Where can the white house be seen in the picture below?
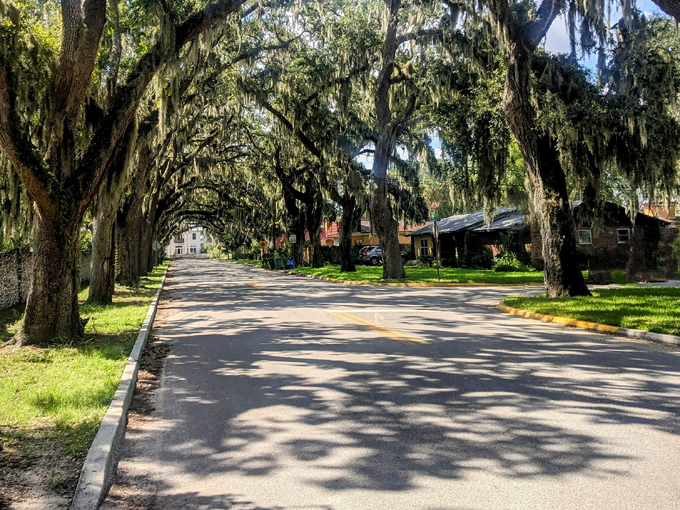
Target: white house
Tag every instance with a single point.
(188, 243)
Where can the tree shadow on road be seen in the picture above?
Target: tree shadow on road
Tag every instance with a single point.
(363, 412)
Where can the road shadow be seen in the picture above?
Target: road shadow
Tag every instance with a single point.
(250, 397)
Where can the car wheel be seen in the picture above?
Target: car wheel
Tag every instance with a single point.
(375, 261)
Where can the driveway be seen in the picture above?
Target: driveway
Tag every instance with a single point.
(290, 393)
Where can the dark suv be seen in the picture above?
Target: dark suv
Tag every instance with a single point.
(373, 255)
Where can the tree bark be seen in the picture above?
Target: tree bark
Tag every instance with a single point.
(551, 200)
(387, 229)
(385, 225)
(131, 222)
(52, 304)
(103, 264)
(670, 7)
(347, 223)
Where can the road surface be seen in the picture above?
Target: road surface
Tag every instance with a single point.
(289, 393)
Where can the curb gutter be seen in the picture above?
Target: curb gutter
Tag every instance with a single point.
(594, 326)
(99, 466)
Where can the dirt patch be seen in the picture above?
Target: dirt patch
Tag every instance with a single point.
(35, 472)
(148, 379)
(133, 492)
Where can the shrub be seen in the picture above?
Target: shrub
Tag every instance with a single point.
(449, 262)
(619, 277)
(482, 260)
(425, 260)
(508, 263)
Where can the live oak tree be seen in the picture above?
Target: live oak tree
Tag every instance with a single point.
(45, 133)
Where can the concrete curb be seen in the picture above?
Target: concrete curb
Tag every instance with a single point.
(99, 466)
(594, 326)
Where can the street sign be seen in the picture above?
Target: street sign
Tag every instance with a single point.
(263, 243)
(435, 218)
(292, 238)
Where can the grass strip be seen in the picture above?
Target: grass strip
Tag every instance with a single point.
(61, 393)
(427, 275)
(655, 309)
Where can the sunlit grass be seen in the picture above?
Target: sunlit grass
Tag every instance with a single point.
(651, 309)
(245, 261)
(428, 275)
(65, 390)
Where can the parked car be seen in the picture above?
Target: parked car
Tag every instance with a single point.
(373, 255)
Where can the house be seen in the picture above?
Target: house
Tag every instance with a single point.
(605, 241)
(612, 240)
(364, 236)
(666, 212)
(461, 235)
(187, 243)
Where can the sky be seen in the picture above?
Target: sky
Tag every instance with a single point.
(557, 40)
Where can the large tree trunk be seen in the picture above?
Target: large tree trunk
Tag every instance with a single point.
(103, 263)
(551, 200)
(144, 248)
(52, 304)
(132, 222)
(313, 213)
(347, 222)
(387, 229)
(128, 246)
(385, 225)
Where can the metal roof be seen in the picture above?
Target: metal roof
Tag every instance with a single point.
(511, 222)
(471, 221)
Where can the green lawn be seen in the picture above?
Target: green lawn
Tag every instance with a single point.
(651, 309)
(245, 261)
(423, 275)
(60, 394)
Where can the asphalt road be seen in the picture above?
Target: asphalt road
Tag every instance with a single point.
(289, 393)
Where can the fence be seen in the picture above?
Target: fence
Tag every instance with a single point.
(16, 268)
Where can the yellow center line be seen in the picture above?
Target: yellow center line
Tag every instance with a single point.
(253, 285)
(379, 328)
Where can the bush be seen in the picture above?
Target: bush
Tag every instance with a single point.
(482, 260)
(425, 260)
(619, 277)
(449, 262)
(508, 263)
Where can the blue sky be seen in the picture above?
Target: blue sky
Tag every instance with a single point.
(557, 40)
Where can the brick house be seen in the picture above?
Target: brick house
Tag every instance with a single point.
(363, 235)
(605, 241)
(612, 241)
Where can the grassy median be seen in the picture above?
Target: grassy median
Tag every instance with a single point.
(428, 275)
(654, 309)
(55, 398)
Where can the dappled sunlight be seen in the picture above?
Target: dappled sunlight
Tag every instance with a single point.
(295, 396)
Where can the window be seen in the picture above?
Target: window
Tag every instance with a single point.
(623, 235)
(192, 249)
(179, 240)
(424, 248)
(178, 250)
(193, 236)
(585, 236)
